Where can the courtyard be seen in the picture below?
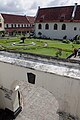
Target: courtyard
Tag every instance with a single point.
(38, 46)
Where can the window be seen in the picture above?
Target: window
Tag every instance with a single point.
(7, 25)
(55, 26)
(0, 24)
(18, 25)
(75, 28)
(39, 26)
(31, 78)
(22, 25)
(28, 25)
(47, 26)
(63, 27)
(12, 25)
(15, 25)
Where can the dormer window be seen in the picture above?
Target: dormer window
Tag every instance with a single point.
(42, 18)
(62, 17)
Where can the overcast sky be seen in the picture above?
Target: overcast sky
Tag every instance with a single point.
(29, 7)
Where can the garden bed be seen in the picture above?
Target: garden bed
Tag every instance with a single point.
(40, 46)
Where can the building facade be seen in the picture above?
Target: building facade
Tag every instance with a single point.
(16, 24)
(57, 22)
(1, 23)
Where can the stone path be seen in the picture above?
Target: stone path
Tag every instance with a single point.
(38, 103)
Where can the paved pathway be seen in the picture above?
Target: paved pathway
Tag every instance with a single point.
(38, 103)
(75, 58)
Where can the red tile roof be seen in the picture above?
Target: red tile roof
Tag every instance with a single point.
(9, 18)
(31, 19)
(58, 14)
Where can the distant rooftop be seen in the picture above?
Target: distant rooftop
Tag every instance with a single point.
(55, 14)
(12, 18)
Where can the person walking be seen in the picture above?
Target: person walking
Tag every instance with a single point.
(75, 52)
(79, 52)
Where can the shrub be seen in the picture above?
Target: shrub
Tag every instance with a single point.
(66, 41)
(77, 42)
(76, 37)
(65, 37)
(59, 53)
(39, 33)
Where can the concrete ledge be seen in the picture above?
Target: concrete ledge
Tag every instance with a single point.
(34, 56)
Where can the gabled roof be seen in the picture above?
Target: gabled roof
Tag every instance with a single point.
(10, 18)
(58, 14)
(31, 19)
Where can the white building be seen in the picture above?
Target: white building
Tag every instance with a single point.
(1, 23)
(56, 22)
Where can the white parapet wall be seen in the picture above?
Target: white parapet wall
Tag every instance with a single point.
(63, 80)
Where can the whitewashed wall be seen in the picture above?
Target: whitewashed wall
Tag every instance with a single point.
(2, 22)
(65, 89)
(59, 34)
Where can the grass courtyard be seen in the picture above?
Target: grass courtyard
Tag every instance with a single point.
(39, 46)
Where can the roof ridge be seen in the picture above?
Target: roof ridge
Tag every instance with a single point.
(12, 14)
(57, 7)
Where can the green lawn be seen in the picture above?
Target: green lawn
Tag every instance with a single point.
(51, 49)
